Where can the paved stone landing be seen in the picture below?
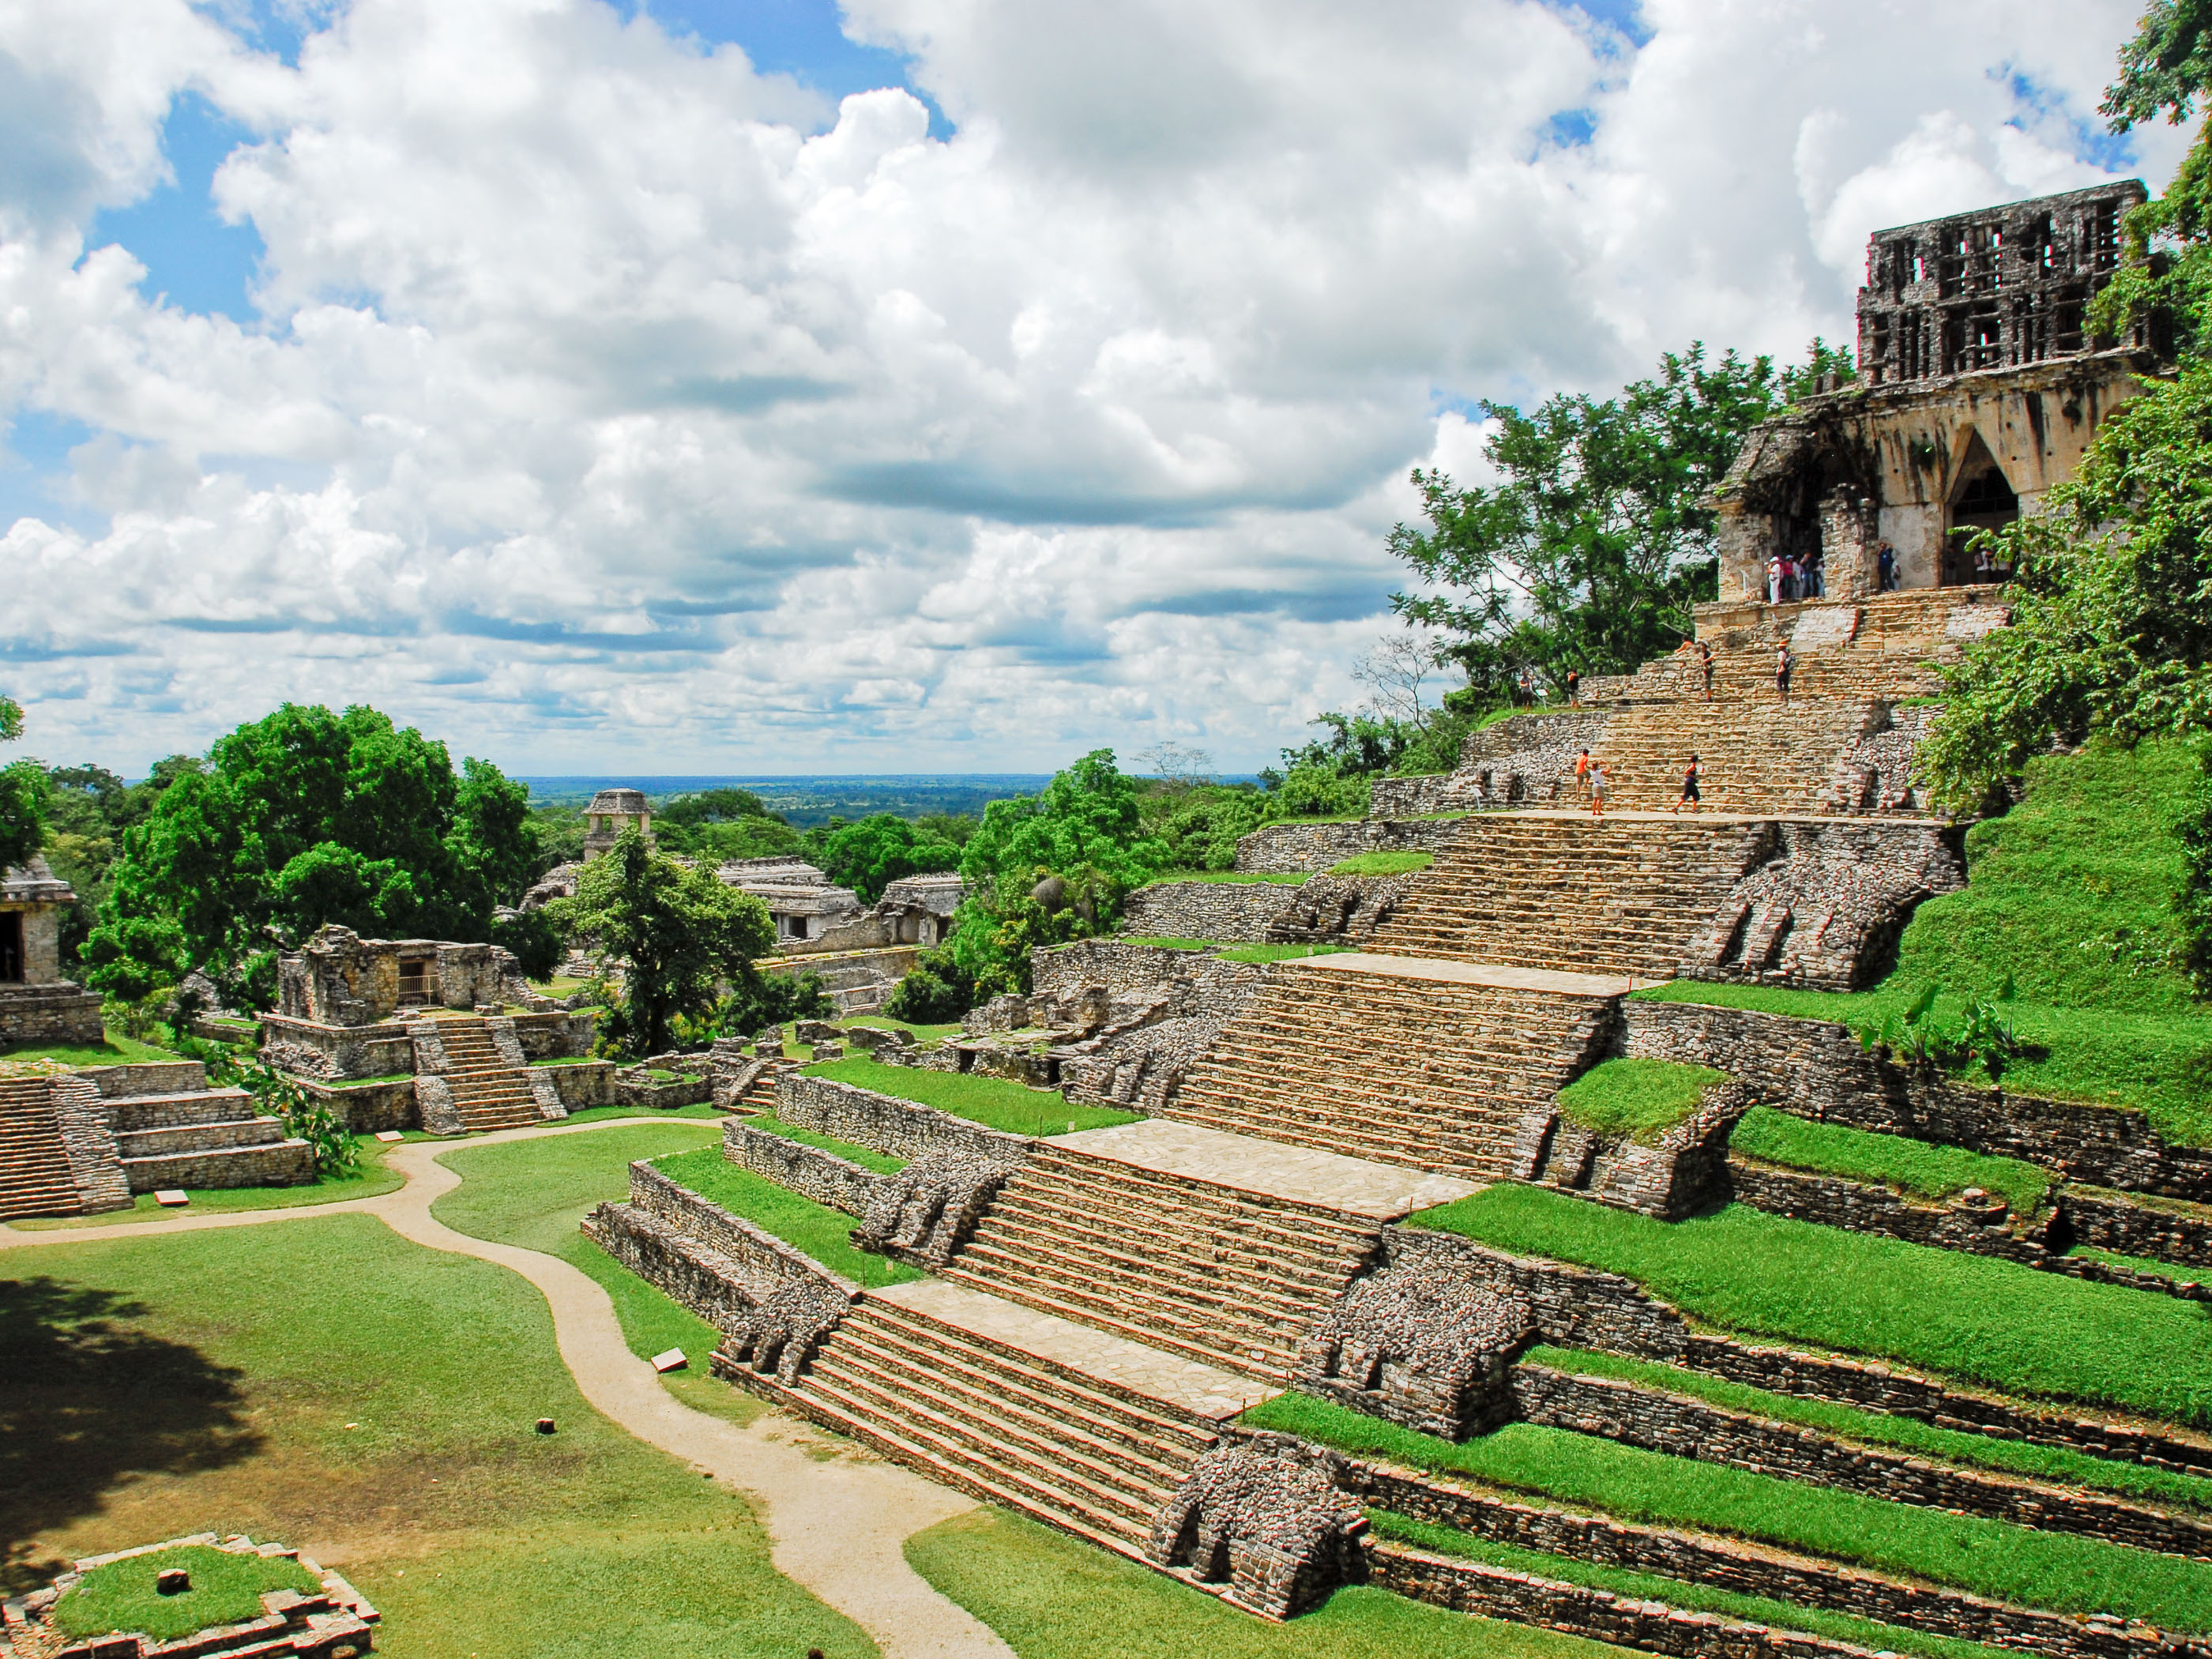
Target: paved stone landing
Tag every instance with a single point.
(1183, 1382)
(1302, 1174)
(1468, 972)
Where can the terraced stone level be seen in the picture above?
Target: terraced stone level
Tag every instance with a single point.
(1223, 1275)
(1766, 759)
(36, 1177)
(488, 1092)
(1074, 1428)
(204, 1138)
(1617, 895)
(1428, 1065)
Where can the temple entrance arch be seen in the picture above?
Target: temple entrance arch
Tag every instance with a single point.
(1982, 498)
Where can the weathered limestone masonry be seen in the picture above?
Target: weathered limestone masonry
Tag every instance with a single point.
(336, 1623)
(1291, 850)
(471, 1076)
(810, 1171)
(1816, 1069)
(171, 1129)
(900, 1128)
(1226, 912)
(1573, 1307)
(37, 1005)
(57, 1155)
(1525, 760)
(1267, 1516)
(1682, 1170)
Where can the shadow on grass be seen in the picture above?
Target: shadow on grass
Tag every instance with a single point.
(86, 1402)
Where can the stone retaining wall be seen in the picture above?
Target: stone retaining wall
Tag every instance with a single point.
(1816, 1069)
(2109, 1222)
(1228, 912)
(96, 1168)
(1120, 966)
(334, 1054)
(1751, 1570)
(168, 1077)
(902, 1128)
(1682, 1426)
(581, 1083)
(369, 1107)
(49, 1015)
(1299, 848)
(810, 1171)
(1141, 1070)
(281, 1163)
(759, 1252)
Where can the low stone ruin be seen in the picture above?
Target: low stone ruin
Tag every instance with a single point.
(779, 1335)
(1267, 1516)
(1432, 1351)
(1680, 1171)
(37, 1005)
(928, 1209)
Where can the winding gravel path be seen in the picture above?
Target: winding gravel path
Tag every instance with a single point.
(837, 1524)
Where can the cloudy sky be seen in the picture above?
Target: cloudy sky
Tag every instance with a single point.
(761, 386)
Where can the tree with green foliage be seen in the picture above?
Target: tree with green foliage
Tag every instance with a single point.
(936, 991)
(722, 824)
(23, 795)
(300, 819)
(759, 1002)
(1048, 868)
(2165, 283)
(880, 849)
(678, 932)
(1590, 551)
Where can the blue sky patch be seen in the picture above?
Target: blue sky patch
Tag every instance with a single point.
(803, 39)
(190, 254)
(2043, 113)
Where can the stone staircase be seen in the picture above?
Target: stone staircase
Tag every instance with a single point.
(1769, 759)
(204, 1138)
(1396, 1063)
(36, 1176)
(999, 1419)
(488, 1088)
(1228, 1277)
(1561, 891)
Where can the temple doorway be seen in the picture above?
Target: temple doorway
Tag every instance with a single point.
(1983, 500)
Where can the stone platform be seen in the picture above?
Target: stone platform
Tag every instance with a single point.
(1447, 972)
(1303, 1175)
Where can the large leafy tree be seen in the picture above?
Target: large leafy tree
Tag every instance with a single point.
(723, 824)
(678, 932)
(303, 818)
(23, 795)
(880, 849)
(1590, 549)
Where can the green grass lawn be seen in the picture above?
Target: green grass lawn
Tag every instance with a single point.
(1175, 944)
(1916, 1166)
(866, 1157)
(325, 1383)
(2051, 1463)
(1383, 864)
(369, 1178)
(534, 1193)
(990, 1101)
(1969, 1317)
(923, 1034)
(700, 1111)
(823, 1233)
(1991, 1557)
(1639, 1098)
(1053, 1598)
(1675, 1592)
(116, 1050)
(226, 1590)
(1280, 952)
(2071, 900)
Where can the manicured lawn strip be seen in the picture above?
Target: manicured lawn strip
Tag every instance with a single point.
(1383, 864)
(1965, 1316)
(117, 1050)
(1230, 879)
(823, 1233)
(923, 1033)
(1279, 952)
(990, 1101)
(368, 1179)
(324, 1379)
(1888, 1160)
(1675, 1592)
(700, 1111)
(2050, 1463)
(226, 1590)
(1052, 1598)
(2037, 1569)
(1639, 1098)
(866, 1157)
(534, 1193)
(1176, 944)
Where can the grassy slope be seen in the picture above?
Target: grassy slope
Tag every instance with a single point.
(990, 1101)
(1383, 864)
(368, 1179)
(226, 1590)
(822, 1233)
(1053, 1598)
(2071, 896)
(220, 1397)
(1991, 1557)
(1916, 1166)
(1969, 1317)
(1636, 1098)
(866, 1157)
(1280, 952)
(117, 1050)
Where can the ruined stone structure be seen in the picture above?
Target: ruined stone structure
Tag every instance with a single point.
(1981, 386)
(611, 812)
(37, 1005)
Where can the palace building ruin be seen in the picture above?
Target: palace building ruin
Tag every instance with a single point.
(1981, 385)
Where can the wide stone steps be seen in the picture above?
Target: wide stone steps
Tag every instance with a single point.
(130, 1114)
(1562, 890)
(488, 1092)
(1014, 1428)
(1775, 759)
(1229, 1278)
(1428, 1074)
(203, 1137)
(36, 1177)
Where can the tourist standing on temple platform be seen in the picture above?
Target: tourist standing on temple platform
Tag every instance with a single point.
(1597, 788)
(1782, 671)
(1689, 796)
(1705, 652)
(1574, 688)
(1774, 579)
(1885, 566)
(1581, 775)
(1816, 580)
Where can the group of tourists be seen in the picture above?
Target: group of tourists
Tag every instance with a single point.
(1789, 579)
(1590, 781)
